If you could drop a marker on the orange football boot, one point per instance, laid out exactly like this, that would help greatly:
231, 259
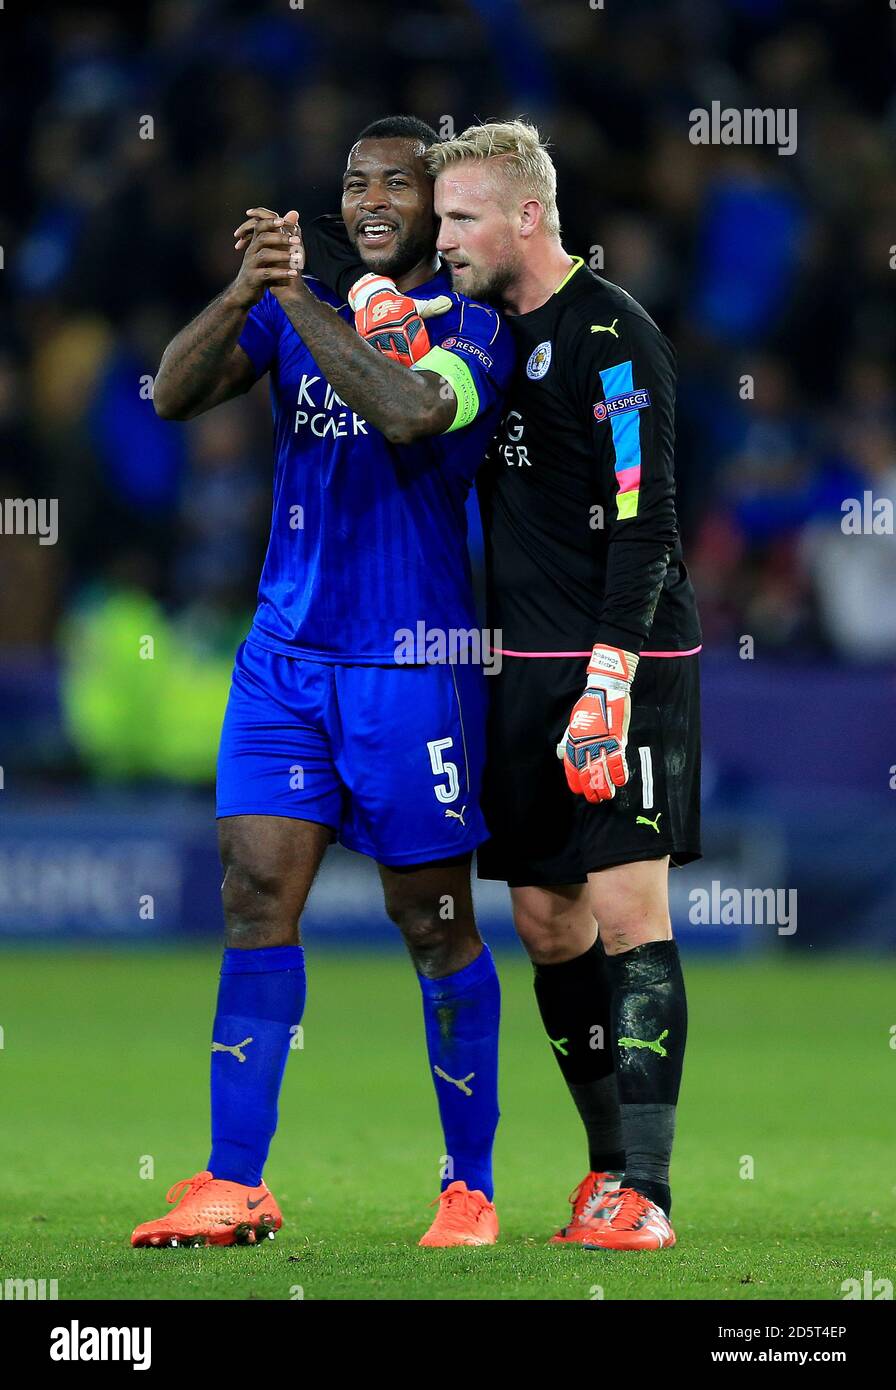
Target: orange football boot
213, 1212
625, 1220
583, 1200
464, 1218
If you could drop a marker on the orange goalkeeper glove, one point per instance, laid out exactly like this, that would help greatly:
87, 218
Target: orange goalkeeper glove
392, 322
593, 747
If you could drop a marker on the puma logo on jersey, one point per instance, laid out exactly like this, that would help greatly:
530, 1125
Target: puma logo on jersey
236, 1050
461, 1085
654, 824
605, 328
456, 815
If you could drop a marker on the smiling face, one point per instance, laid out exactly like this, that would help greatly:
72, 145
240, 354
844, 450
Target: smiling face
387, 207
479, 233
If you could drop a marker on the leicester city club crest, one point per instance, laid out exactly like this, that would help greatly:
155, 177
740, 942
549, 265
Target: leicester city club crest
539, 362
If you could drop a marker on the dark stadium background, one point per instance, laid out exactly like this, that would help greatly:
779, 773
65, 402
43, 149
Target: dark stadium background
776, 267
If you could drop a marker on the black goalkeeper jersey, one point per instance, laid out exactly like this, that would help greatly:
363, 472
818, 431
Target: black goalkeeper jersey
330, 255
578, 490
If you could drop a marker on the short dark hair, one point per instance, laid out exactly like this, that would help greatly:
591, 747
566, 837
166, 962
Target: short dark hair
400, 128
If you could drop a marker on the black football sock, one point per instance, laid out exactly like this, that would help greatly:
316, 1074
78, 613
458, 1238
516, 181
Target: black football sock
650, 1024
574, 1001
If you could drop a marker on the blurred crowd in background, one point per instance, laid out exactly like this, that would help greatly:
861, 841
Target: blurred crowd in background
773, 275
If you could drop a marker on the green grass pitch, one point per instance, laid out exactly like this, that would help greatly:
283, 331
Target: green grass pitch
105, 1062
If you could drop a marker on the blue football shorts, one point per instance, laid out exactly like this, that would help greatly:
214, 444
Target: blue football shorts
390, 757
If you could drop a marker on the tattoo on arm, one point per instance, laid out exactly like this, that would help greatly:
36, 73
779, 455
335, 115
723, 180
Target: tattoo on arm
404, 405
198, 368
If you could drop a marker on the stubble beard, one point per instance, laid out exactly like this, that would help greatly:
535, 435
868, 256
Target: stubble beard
409, 251
488, 283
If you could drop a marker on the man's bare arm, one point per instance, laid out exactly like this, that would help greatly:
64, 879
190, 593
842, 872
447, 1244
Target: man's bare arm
204, 364
403, 405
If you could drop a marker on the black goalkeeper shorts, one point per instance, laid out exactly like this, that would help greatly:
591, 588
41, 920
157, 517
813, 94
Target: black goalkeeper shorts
542, 833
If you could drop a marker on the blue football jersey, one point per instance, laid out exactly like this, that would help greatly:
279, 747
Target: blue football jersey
368, 538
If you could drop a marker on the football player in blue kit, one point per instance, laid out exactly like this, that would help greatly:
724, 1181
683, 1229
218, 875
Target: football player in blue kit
331, 732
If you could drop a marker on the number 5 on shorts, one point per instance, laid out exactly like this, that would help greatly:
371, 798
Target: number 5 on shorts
436, 748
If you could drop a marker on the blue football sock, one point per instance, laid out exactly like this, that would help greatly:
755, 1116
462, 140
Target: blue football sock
462, 1013
261, 998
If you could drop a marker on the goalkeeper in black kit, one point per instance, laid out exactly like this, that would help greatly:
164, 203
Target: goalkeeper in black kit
592, 784
600, 635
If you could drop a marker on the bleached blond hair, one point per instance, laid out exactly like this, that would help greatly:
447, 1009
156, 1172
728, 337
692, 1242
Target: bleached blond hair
519, 153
